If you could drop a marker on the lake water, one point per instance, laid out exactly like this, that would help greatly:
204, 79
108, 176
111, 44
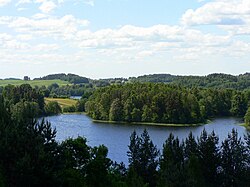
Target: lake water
75, 97
116, 136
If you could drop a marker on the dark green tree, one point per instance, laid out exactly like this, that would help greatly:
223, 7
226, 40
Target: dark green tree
234, 159
209, 157
172, 168
247, 117
143, 157
52, 108
116, 111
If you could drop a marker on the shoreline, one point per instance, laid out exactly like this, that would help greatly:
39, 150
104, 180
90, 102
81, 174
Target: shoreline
246, 126
151, 124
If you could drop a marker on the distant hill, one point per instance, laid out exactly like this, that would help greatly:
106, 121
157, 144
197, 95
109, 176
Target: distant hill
12, 79
72, 78
216, 80
34, 83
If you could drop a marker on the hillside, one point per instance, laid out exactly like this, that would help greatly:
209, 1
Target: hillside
72, 78
33, 82
216, 80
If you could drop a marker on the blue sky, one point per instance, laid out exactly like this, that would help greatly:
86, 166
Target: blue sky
123, 38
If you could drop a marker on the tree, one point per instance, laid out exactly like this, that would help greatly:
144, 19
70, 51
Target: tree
97, 169
239, 106
147, 114
143, 157
209, 157
234, 159
115, 112
172, 170
24, 110
247, 117
52, 108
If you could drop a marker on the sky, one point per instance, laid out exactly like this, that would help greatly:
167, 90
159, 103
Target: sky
124, 38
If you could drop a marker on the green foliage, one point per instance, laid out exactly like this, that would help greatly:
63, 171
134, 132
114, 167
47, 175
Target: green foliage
24, 98
209, 157
161, 103
84, 90
234, 158
53, 108
33, 83
30, 156
217, 80
172, 170
80, 105
24, 110
72, 78
143, 157
115, 113
247, 117
239, 105
69, 109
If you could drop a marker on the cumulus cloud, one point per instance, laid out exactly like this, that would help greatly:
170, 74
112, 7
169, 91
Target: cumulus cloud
219, 12
4, 2
20, 2
64, 27
181, 42
47, 6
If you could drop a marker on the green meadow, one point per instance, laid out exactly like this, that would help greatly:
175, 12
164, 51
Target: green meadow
33, 82
62, 102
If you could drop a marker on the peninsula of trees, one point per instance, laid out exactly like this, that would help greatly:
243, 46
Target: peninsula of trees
163, 103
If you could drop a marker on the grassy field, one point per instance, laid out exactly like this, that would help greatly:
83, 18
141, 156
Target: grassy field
33, 82
62, 102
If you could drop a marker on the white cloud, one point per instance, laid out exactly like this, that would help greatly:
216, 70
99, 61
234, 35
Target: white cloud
47, 6
219, 12
90, 2
64, 27
20, 2
24, 37
4, 2
40, 16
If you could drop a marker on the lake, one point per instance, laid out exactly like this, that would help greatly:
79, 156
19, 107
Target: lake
116, 136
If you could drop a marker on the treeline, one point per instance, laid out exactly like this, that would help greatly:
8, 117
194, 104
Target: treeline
161, 103
54, 90
30, 156
217, 80
25, 102
72, 78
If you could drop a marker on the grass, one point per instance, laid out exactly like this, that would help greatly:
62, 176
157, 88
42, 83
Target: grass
62, 102
147, 123
33, 82
246, 126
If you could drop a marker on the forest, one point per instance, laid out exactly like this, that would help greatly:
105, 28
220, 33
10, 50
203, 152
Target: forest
164, 103
37, 159
216, 80
31, 156
72, 78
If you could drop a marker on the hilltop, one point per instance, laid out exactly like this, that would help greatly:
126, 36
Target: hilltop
215, 80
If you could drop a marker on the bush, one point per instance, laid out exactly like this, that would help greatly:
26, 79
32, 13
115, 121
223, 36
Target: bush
69, 109
53, 108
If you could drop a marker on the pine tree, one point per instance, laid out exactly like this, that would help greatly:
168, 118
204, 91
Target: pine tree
234, 160
172, 171
143, 157
247, 117
209, 157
